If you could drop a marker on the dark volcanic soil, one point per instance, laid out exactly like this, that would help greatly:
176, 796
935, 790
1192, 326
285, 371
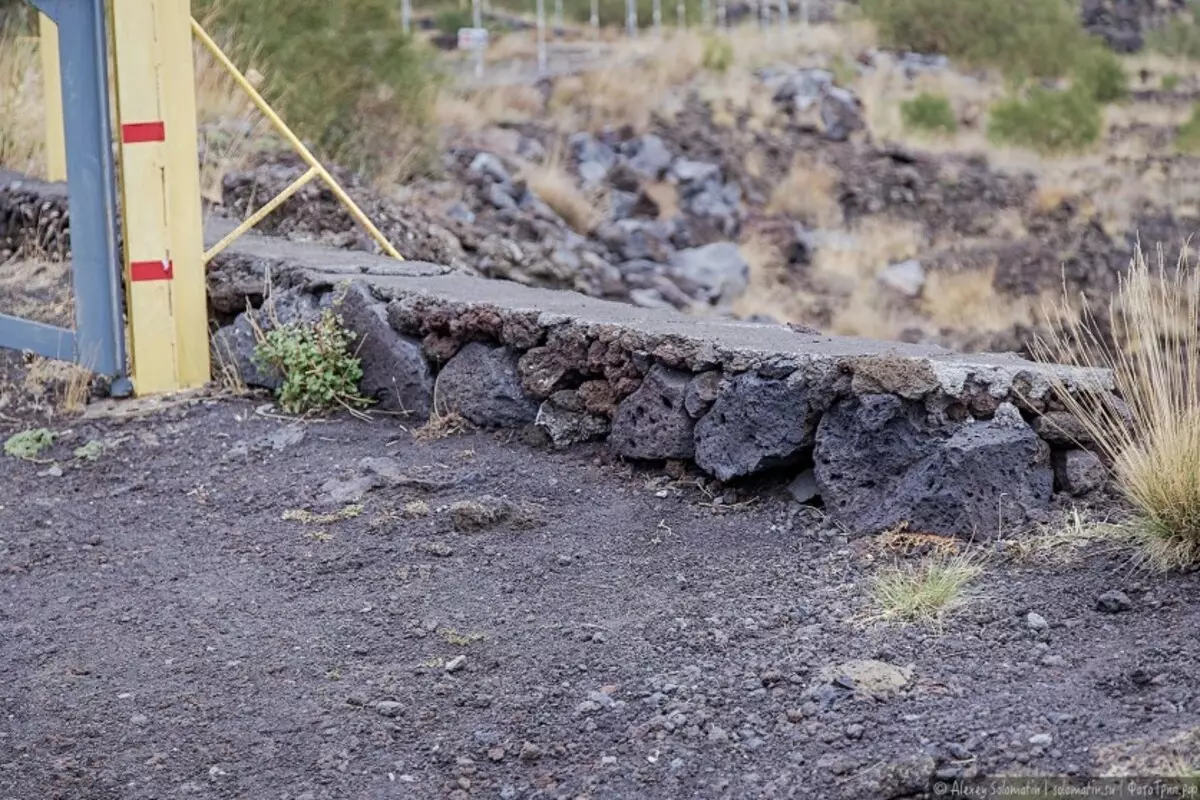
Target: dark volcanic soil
164, 632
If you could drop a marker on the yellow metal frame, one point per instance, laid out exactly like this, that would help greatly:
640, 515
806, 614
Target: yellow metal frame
160, 184
55, 145
316, 169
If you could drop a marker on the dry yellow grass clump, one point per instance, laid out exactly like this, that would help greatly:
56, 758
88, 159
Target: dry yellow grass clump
807, 193
557, 188
22, 121
1152, 439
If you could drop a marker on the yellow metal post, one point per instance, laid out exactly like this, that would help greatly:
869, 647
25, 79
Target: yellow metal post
160, 195
55, 144
189, 289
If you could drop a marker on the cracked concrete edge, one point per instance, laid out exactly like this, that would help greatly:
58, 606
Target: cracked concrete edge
673, 338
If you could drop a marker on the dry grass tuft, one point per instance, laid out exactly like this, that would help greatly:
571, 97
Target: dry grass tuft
22, 120
1065, 541
474, 111
556, 186
924, 592
1152, 439
808, 193
67, 385
440, 425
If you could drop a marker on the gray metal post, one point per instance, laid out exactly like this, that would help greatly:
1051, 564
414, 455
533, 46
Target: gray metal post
681, 14
541, 36
558, 18
406, 15
783, 14
595, 18
656, 17
91, 186
706, 13
804, 11
722, 14
631, 18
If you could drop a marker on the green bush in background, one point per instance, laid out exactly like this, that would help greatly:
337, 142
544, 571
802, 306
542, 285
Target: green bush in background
1098, 72
1021, 38
930, 113
343, 74
718, 54
1047, 120
1187, 138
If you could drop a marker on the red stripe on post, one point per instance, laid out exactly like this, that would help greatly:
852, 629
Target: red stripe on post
141, 132
151, 271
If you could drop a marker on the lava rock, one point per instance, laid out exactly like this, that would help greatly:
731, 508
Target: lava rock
879, 462
236, 344
491, 166
1113, 601
702, 392
1078, 472
1036, 621
394, 370
566, 420
713, 273
649, 156
757, 423
1061, 429
653, 422
481, 383
906, 278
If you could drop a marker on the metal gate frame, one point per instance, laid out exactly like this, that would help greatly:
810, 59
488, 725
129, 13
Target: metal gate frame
98, 339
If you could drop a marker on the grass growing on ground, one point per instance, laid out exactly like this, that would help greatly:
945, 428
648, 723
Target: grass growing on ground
923, 592
1152, 439
1187, 138
556, 187
929, 113
319, 371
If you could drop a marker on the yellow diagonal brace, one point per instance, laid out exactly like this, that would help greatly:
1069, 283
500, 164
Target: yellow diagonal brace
261, 214
294, 141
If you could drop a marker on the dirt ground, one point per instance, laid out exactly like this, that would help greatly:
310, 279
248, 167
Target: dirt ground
172, 624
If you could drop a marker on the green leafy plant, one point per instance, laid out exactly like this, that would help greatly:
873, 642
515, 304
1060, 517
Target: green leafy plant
1170, 82
319, 371
1187, 137
929, 113
451, 19
1049, 121
718, 54
91, 451
29, 444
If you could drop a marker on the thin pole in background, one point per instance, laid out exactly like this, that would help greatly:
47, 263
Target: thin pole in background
631, 18
406, 15
541, 36
783, 14
722, 15
477, 19
681, 14
656, 11
558, 17
595, 20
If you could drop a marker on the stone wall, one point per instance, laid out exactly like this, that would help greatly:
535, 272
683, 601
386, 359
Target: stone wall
879, 433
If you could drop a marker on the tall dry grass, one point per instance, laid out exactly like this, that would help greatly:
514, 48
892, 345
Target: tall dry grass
1152, 439
22, 119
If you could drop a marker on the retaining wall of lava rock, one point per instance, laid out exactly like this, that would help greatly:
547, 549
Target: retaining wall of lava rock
880, 433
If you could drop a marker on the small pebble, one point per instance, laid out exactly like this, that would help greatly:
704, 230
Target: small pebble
1036, 621
1041, 740
1113, 601
456, 663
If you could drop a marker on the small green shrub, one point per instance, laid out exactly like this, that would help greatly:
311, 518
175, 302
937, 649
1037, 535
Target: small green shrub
1046, 120
1098, 71
930, 113
1021, 38
28, 444
1170, 82
450, 20
718, 54
1187, 138
319, 372
843, 69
